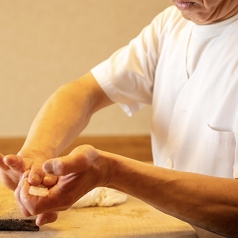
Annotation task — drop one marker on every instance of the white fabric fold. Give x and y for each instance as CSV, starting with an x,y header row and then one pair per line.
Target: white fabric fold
x,y
101,196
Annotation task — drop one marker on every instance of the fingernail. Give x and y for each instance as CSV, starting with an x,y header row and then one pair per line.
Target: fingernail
x,y
48,167
35,177
47,178
41,222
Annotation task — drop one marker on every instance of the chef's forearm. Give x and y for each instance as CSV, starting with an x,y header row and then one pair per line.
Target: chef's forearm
x,y
64,115
204,201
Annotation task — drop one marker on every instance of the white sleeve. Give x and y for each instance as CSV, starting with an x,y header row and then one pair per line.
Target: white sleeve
x,y
127,77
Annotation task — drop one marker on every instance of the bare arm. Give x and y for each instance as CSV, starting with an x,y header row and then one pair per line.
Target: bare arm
x,y
63,116
204,201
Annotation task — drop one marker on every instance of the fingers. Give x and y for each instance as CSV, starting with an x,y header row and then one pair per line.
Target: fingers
x,y
79,159
3,166
45,218
21,194
29,204
76,163
49,180
26,201
33,205
14,162
62,166
11,169
37,175
56,166
13,166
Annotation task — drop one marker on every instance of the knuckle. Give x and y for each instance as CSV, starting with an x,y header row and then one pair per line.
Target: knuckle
x,y
60,166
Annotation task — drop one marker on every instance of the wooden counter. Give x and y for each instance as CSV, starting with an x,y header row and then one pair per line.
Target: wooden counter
x,y
131,219
136,147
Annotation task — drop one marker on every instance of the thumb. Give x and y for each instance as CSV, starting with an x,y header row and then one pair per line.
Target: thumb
x,y
60,166
79,159
48,217
53,166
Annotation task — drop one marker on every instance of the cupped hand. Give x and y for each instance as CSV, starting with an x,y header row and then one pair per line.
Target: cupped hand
x,y
13,166
78,173
11,169
36,175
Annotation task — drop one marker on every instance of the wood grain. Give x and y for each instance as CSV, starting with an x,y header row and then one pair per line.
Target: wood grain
x,y
10,217
132,219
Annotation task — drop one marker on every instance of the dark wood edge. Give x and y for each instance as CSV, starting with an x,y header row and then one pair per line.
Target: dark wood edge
x,y
135,147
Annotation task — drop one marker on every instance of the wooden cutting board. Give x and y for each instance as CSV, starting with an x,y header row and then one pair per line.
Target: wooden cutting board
x,y
131,219
10,216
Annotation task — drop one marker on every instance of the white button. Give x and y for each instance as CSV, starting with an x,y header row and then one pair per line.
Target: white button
x,y
169,164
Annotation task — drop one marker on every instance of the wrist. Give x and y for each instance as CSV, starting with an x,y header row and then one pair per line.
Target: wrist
x,y
110,169
35,153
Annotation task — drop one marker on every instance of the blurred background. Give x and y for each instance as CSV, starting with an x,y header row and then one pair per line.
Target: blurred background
x,y
46,43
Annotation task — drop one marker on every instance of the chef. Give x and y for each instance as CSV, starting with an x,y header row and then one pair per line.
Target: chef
x,y
185,65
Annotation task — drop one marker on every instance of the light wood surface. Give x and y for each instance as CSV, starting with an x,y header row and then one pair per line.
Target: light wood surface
x,y
131,219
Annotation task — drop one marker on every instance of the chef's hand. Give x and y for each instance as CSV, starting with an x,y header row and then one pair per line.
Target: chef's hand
x,y
79,172
11,169
13,166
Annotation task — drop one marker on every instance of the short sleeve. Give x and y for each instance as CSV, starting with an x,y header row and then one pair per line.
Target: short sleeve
x,y
127,77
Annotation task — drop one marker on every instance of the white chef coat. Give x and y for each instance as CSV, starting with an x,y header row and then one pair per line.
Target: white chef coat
x,y
189,74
